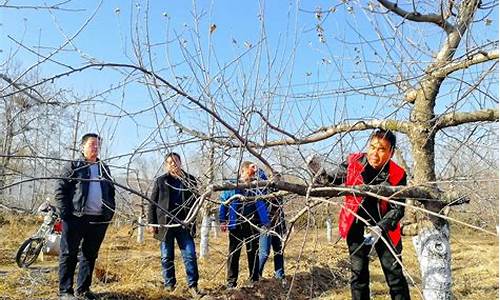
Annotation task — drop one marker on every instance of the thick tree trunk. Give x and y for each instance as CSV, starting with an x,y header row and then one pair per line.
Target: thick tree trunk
x,y
432,246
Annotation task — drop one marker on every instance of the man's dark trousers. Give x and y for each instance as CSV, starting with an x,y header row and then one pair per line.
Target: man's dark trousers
x,y
90,231
360,276
243,234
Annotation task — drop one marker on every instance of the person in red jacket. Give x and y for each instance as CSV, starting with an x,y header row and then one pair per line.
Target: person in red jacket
x,y
363,220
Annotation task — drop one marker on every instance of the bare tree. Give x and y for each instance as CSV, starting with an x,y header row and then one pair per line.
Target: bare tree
x,y
417,68
30,130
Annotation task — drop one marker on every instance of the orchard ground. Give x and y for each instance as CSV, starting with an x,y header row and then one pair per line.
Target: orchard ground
x,y
315,268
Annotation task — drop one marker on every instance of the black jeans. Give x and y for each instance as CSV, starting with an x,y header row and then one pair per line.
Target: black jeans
x,y
360,277
90,232
243,234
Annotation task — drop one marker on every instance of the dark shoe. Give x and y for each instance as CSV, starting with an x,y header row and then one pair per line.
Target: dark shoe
x,y
67,296
196,293
87,295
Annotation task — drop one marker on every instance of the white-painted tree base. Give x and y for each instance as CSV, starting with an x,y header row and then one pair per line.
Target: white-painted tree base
x,y
434,255
204,235
215,228
329,233
140,232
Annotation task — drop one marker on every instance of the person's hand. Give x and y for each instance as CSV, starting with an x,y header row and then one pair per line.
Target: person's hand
x,y
375,230
151,229
373,235
376,233
223,227
265,228
314,163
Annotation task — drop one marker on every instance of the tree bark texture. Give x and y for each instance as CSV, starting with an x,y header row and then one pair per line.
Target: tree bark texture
x,y
434,255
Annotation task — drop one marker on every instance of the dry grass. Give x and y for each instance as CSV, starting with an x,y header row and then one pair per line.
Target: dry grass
x,y
128,270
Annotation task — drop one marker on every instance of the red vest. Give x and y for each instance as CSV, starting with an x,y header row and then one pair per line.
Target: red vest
x,y
351,202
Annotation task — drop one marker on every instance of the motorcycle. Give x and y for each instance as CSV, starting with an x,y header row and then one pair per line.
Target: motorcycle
x,y
46,238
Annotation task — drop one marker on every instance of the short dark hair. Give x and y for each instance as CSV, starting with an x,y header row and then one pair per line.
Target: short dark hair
x,y
170,154
385,135
88,136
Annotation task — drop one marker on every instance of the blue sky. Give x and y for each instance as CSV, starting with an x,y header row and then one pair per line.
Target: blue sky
x,y
301,64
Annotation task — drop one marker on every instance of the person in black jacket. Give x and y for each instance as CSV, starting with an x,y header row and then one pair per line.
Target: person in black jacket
x,y
173,196
85,199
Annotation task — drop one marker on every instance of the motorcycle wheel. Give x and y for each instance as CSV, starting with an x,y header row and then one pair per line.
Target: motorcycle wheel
x,y
28,252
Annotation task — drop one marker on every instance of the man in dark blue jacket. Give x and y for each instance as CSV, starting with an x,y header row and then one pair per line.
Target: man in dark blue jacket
x,y
85,198
243,217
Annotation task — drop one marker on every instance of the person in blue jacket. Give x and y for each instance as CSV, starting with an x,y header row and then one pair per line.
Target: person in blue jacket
x,y
243,218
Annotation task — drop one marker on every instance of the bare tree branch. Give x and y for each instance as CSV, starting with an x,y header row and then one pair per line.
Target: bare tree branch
x,y
244,142
276,128
327,132
423,193
458,118
415,16
467,10
57,6
463,64
38,98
